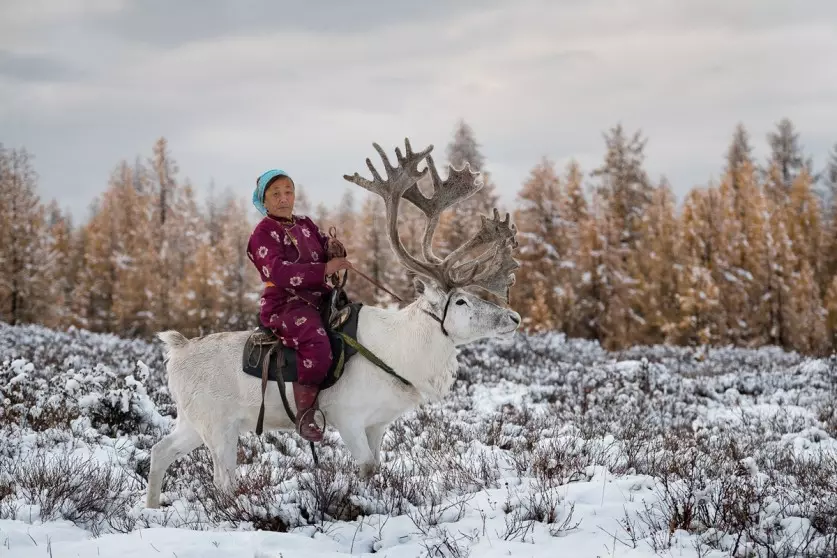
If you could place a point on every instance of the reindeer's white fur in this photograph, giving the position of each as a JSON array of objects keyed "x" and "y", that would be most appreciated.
[{"x": 216, "y": 401}]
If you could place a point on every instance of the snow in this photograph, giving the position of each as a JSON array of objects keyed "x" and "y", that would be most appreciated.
[{"x": 546, "y": 447}]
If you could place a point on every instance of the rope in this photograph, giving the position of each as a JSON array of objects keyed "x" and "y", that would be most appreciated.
[{"x": 395, "y": 296}]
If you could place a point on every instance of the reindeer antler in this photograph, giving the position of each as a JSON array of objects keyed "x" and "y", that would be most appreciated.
[{"x": 491, "y": 269}]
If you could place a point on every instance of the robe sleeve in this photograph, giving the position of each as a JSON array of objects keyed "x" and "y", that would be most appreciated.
[{"x": 275, "y": 262}]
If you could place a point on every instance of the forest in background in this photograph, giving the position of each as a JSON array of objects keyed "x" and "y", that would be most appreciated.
[{"x": 606, "y": 253}]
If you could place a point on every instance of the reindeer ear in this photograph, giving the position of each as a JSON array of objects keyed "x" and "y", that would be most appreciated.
[{"x": 419, "y": 285}]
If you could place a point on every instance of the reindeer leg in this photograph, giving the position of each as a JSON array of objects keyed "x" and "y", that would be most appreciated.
[
  {"x": 178, "y": 443},
  {"x": 223, "y": 447},
  {"x": 375, "y": 435},
  {"x": 354, "y": 436}
]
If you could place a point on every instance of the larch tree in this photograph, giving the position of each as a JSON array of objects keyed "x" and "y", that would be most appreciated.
[
  {"x": 739, "y": 164},
  {"x": 658, "y": 260},
  {"x": 543, "y": 248},
  {"x": 188, "y": 234},
  {"x": 780, "y": 261},
  {"x": 116, "y": 276},
  {"x": 828, "y": 255},
  {"x": 200, "y": 291},
  {"x": 82, "y": 298},
  {"x": 626, "y": 194},
  {"x": 345, "y": 221},
  {"x": 96, "y": 290},
  {"x": 374, "y": 257},
  {"x": 213, "y": 220},
  {"x": 807, "y": 319},
  {"x": 594, "y": 276},
  {"x": 61, "y": 242},
  {"x": 163, "y": 188},
  {"x": 804, "y": 212},
  {"x": 830, "y": 307},
  {"x": 786, "y": 154},
  {"x": 26, "y": 262},
  {"x": 241, "y": 283},
  {"x": 129, "y": 208},
  {"x": 701, "y": 316},
  {"x": 575, "y": 214},
  {"x": 740, "y": 151}
]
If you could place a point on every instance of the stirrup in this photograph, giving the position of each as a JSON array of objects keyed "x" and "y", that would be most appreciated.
[{"x": 300, "y": 420}]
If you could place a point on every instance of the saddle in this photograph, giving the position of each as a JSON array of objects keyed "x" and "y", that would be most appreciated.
[
  {"x": 265, "y": 356},
  {"x": 264, "y": 350}
]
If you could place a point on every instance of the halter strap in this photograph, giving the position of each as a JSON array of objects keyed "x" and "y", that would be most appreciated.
[{"x": 444, "y": 315}]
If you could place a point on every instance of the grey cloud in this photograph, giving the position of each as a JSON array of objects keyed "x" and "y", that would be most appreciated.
[
  {"x": 223, "y": 82},
  {"x": 166, "y": 24},
  {"x": 37, "y": 68}
]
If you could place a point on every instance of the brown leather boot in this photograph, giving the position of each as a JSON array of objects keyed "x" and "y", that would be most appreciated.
[{"x": 306, "y": 405}]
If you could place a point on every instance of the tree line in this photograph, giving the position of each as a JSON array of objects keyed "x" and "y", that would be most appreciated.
[{"x": 606, "y": 253}]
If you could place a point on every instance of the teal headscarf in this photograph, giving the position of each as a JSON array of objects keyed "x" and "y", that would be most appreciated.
[{"x": 261, "y": 185}]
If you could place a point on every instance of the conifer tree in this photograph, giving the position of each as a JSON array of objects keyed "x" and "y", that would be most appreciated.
[
  {"x": 830, "y": 308},
  {"x": 828, "y": 246},
  {"x": 200, "y": 292},
  {"x": 740, "y": 151},
  {"x": 163, "y": 188},
  {"x": 701, "y": 316},
  {"x": 626, "y": 194},
  {"x": 26, "y": 262},
  {"x": 241, "y": 283},
  {"x": 59, "y": 230},
  {"x": 345, "y": 220},
  {"x": 374, "y": 257},
  {"x": 129, "y": 212},
  {"x": 96, "y": 290},
  {"x": 786, "y": 154},
  {"x": 779, "y": 262},
  {"x": 543, "y": 246},
  {"x": 658, "y": 259}
]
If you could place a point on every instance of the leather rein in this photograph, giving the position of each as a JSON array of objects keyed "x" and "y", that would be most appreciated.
[{"x": 399, "y": 299}]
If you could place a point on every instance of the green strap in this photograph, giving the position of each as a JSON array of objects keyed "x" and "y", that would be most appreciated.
[{"x": 371, "y": 356}]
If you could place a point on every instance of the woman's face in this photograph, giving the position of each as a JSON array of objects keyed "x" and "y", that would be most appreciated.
[{"x": 279, "y": 197}]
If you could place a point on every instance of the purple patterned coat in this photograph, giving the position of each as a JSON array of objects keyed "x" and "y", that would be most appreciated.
[{"x": 292, "y": 256}]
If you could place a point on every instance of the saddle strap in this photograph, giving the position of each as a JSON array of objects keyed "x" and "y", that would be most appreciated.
[
  {"x": 265, "y": 372},
  {"x": 356, "y": 345},
  {"x": 280, "y": 382}
]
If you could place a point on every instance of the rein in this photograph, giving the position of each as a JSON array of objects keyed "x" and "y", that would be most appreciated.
[{"x": 399, "y": 299}]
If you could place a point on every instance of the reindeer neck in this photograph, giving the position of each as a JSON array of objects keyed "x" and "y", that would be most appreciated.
[{"x": 430, "y": 351}]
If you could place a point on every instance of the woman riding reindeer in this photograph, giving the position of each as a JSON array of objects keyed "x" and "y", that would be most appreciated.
[{"x": 292, "y": 257}]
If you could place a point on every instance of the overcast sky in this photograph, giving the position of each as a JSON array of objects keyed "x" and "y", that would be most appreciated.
[{"x": 240, "y": 86}]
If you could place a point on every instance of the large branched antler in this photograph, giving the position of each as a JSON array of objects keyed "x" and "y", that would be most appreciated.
[{"x": 491, "y": 264}]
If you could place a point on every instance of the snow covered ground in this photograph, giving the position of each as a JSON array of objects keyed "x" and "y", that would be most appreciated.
[{"x": 546, "y": 447}]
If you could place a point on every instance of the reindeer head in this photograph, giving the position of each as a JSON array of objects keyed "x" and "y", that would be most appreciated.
[{"x": 484, "y": 261}]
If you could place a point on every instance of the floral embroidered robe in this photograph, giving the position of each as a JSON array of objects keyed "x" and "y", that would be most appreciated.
[{"x": 290, "y": 256}]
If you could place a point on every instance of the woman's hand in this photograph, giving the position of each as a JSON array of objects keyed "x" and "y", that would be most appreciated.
[{"x": 335, "y": 265}]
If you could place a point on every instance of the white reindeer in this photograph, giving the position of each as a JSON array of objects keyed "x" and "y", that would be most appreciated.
[{"x": 216, "y": 401}]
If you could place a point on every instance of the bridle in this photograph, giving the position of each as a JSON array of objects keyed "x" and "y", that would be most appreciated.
[
  {"x": 444, "y": 315},
  {"x": 399, "y": 299}
]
